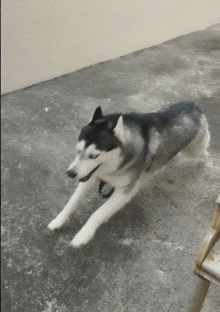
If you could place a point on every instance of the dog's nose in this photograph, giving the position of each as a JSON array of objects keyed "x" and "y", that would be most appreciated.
[{"x": 71, "y": 173}]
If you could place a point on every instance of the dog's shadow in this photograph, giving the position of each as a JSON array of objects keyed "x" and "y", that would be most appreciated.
[{"x": 115, "y": 239}]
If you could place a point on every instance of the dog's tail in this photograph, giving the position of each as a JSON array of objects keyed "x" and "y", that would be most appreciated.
[{"x": 197, "y": 148}]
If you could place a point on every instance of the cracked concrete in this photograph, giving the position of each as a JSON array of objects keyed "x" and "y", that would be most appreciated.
[{"x": 142, "y": 259}]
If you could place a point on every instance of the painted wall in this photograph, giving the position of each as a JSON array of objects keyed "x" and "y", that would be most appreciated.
[{"x": 43, "y": 39}]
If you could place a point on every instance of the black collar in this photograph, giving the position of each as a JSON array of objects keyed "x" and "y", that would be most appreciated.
[{"x": 101, "y": 185}]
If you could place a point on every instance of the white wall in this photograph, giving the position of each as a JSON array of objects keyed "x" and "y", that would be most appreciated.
[{"x": 42, "y": 39}]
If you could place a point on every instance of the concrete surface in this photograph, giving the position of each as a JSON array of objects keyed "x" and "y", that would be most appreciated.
[{"x": 142, "y": 259}]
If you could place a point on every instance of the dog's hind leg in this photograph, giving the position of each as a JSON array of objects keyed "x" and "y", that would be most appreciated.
[
  {"x": 78, "y": 196},
  {"x": 198, "y": 146},
  {"x": 119, "y": 198}
]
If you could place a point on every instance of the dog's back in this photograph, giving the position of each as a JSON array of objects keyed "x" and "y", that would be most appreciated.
[{"x": 180, "y": 128}]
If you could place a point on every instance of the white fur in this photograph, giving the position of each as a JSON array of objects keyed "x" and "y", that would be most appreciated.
[
  {"x": 198, "y": 146},
  {"x": 83, "y": 165},
  {"x": 103, "y": 214},
  {"x": 109, "y": 172},
  {"x": 78, "y": 196},
  {"x": 119, "y": 198},
  {"x": 154, "y": 141},
  {"x": 118, "y": 130},
  {"x": 80, "y": 146}
]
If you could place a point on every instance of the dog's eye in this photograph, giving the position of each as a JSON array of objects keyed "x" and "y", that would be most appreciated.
[{"x": 93, "y": 156}]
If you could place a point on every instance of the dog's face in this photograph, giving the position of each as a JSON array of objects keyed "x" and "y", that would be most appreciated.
[{"x": 98, "y": 147}]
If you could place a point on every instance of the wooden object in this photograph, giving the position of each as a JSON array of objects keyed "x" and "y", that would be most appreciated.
[{"x": 207, "y": 264}]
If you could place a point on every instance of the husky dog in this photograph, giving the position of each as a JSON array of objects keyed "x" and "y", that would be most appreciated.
[{"x": 117, "y": 149}]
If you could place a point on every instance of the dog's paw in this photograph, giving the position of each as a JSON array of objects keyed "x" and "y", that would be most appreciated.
[
  {"x": 82, "y": 238},
  {"x": 56, "y": 224}
]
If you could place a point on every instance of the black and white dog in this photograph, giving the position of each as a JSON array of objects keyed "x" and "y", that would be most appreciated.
[{"x": 118, "y": 149}]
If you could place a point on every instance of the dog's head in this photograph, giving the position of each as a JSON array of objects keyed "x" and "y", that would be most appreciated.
[{"x": 98, "y": 146}]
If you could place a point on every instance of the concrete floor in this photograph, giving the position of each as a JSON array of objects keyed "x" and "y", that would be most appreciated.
[{"x": 142, "y": 259}]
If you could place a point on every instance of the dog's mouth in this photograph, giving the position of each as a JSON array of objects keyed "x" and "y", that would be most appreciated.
[{"x": 86, "y": 178}]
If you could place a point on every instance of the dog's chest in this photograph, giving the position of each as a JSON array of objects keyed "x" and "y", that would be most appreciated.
[{"x": 116, "y": 179}]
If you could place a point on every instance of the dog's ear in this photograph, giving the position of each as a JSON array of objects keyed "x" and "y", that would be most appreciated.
[
  {"x": 97, "y": 115},
  {"x": 119, "y": 129}
]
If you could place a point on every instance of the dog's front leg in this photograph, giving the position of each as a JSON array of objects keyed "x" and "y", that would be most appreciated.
[
  {"x": 82, "y": 190},
  {"x": 119, "y": 198}
]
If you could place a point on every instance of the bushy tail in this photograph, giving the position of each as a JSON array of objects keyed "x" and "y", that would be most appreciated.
[{"x": 198, "y": 146}]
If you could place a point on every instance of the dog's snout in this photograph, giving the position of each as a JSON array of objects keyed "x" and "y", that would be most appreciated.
[{"x": 71, "y": 173}]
